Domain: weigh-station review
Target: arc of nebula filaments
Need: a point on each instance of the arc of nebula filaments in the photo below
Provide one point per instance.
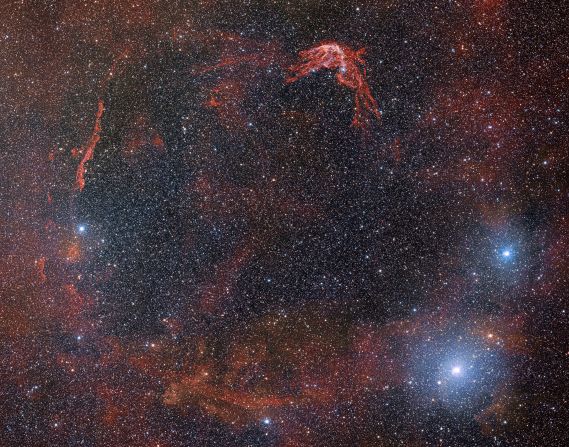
(351, 73)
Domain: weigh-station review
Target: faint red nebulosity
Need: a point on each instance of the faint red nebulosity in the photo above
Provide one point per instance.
(491, 416)
(488, 13)
(237, 51)
(242, 63)
(226, 98)
(484, 124)
(506, 332)
(225, 277)
(115, 68)
(40, 264)
(89, 149)
(158, 142)
(173, 325)
(556, 265)
(257, 60)
(73, 252)
(74, 309)
(50, 226)
(396, 150)
(217, 199)
(351, 73)
(325, 365)
(141, 139)
(220, 200)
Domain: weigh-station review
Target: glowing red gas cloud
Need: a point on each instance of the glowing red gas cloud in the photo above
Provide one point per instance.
(351, 73)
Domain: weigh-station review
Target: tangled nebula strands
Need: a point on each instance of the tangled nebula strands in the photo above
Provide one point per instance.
(351, 73)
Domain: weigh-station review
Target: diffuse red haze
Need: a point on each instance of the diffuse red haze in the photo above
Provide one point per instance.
(286, 364)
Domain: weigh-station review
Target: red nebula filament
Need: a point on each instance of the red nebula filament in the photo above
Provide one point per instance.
(351, 73)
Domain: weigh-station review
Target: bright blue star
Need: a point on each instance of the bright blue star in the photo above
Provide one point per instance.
(505, 254)
(266, 421)
(81, 228)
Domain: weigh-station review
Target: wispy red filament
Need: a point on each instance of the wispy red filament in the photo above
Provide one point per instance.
(89, 149)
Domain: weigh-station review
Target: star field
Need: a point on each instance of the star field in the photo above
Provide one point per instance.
(289, 223)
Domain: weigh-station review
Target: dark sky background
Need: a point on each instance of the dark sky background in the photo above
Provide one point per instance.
(199, 248)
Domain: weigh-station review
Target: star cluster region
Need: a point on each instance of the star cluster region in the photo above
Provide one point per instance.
(296, 223)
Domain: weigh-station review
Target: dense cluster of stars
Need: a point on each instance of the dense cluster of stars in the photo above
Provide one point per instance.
(296, 223)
